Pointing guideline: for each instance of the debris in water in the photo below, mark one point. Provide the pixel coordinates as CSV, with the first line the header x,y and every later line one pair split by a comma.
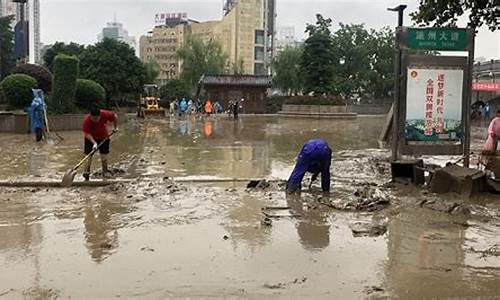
x,y
147,249
364,229
373,289
491,251
275,286
444,206
258,184
113,171
267,222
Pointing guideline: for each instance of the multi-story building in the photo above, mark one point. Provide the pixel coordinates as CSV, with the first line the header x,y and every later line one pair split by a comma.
x,y
114,30
246,34
285,37
161,44
32,15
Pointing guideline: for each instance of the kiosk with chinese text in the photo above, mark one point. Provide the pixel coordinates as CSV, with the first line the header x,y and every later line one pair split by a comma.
x,y
434,92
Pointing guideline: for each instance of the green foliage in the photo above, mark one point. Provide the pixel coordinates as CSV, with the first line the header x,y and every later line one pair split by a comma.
x,y
64,86
16,89
175,89
7,57
353,52
115,66
89,92
71,49
288,75
152,69
239,68
200,58
40,73
318,57
363,61
380,77
446,13
274,104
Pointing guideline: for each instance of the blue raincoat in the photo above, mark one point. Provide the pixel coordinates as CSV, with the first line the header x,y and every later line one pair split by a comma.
x,y
183,106
314,157
36,111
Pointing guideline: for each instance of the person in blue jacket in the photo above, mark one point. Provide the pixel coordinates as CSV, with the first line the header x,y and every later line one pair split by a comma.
x,y
183,106
36,114
314,157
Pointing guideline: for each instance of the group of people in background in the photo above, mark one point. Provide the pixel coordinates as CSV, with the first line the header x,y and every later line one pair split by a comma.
x,y
481,112
208,107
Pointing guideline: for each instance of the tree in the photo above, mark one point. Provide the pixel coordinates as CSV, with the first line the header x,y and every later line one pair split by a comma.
x,y
152,71
7,56
71,49
317,59
175,89
113,64
381,75
17,88
198,58
89,92
353,53
41,74
64,87
239,67
288,75
446,13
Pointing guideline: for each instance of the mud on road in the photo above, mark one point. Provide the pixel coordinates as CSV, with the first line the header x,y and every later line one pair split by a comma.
x,y
154,237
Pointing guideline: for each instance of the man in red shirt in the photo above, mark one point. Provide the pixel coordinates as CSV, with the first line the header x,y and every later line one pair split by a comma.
x,y
95,132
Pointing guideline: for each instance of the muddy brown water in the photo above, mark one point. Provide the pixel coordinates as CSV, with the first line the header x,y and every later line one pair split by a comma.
x,y
153,238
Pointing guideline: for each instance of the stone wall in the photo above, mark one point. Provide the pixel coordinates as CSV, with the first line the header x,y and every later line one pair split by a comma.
x,y
313,109
371,109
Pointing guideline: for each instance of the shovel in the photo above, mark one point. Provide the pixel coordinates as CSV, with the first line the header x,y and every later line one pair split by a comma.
x,y
50,140
68,178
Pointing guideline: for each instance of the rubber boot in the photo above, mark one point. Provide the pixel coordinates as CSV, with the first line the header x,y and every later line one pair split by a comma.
x,y
105,170
86,172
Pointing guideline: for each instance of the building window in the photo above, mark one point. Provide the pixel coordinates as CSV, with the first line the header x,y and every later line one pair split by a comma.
x,y
259,53
259,37
259,69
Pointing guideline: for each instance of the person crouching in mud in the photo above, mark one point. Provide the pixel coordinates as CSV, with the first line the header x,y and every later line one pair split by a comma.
x,y
95,132
314,157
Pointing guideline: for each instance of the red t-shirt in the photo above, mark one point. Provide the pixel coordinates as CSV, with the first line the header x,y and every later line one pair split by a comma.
x,y
98,129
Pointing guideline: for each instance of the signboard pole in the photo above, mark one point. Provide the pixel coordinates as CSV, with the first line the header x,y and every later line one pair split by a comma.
x,y
397,92
468,100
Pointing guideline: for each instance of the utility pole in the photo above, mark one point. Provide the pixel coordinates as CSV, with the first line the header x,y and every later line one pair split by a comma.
x,y
397,85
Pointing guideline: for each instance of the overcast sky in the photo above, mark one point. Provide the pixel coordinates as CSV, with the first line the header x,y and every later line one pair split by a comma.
x,y
81,20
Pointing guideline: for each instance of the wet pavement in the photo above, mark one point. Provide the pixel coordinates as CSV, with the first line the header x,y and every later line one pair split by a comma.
x,y
157,238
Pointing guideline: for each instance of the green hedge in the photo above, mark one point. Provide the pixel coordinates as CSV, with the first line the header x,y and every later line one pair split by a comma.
x,y
89,92
41,74
66,70
16,90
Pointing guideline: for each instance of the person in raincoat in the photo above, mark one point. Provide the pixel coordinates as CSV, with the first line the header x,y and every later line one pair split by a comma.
x,y
183,106
217,107
172,108
235,109
209,107
36,112
314,157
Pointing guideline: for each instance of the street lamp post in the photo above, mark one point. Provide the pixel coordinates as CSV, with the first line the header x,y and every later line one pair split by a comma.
x,y
397,82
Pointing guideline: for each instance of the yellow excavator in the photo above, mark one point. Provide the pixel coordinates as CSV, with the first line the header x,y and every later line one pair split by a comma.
x,y
150,102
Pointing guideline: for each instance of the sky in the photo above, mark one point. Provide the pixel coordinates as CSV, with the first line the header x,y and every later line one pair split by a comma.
x,y
81,20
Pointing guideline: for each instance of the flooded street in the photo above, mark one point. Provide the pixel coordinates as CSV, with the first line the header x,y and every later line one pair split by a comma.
x,y
165,234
